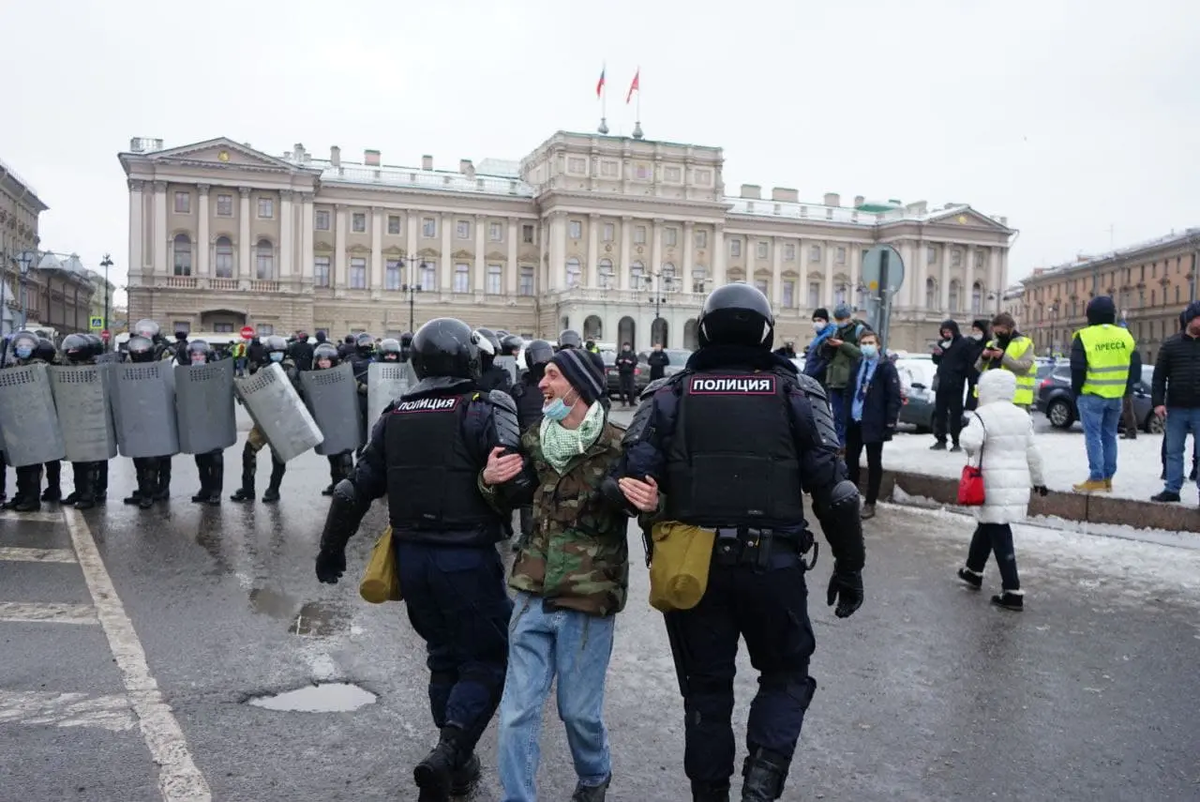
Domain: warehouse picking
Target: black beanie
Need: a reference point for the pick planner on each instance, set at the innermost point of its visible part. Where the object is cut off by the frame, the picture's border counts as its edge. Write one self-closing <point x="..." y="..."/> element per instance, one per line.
<point x="577" y="368"/>
<point x="821" y="314"/>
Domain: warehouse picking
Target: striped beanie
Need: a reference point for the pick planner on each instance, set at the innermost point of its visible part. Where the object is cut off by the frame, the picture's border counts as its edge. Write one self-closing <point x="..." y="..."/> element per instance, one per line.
<point x="578" y="369"/>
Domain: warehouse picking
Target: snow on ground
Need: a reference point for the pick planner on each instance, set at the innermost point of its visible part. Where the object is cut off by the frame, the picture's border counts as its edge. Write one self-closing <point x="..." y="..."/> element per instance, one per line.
<point x="1138" y="461"/>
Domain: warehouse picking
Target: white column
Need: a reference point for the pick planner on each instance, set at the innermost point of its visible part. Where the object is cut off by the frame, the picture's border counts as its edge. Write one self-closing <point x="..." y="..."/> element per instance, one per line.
<point x="969" y="280"/>
<point x="376" y="282"/>
<point x="855" y="274"/>
<point x="160" y="227"/>
<point x="945" y="274"/>
<point x="202" y="243"/>
<point x="719" y="252"/>
<point x="996" y="275"/>
<point x="689" y="256"/>
<point x="480" y="251"/>
<point x="513" y="267"/>
<point x="558" y="250"/>
<point x="920" y="273"/>
<point x="626" y="250"/>
<point x="245" y="268"/>
<point x="591" y="274"/>
<point x="339" y="246"/>
<point x="827" y="256"/>
<point x="306" y="234"/>
<point x="287" y="234"/>
<point x="412" y="245"/>
<point x="137" y="231"/>
<point x="446" y="279"/>
<point x="777" y="273"/>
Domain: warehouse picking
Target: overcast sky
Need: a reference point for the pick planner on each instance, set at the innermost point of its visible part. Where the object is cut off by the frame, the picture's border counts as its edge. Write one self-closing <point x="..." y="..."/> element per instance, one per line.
<point x="1070" y="117"/>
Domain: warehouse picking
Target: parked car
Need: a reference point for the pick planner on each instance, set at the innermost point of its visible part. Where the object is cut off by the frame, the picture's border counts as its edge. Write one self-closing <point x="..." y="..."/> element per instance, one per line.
<point x="678" y="359"/>
<point x="1055" y="401"/>
<point x="916" y="384"/>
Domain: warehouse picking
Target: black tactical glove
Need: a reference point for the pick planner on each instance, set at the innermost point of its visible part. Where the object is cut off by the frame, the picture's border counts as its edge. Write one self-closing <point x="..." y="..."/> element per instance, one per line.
<point x="1041" y="490"/>
<point x="331" y="565"/>
<point x="846" y="588"/>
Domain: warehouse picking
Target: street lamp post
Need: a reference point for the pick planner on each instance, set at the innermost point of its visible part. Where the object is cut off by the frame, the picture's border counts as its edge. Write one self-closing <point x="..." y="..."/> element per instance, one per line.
<point x="106" y="264"/>
<point x="26" y="261"/>
<point x="412" y="290"/>
<point x="658" y="299"/>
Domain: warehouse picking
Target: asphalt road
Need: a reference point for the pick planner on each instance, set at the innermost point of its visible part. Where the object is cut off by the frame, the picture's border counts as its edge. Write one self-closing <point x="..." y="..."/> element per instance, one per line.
<point x="928" y="693"/>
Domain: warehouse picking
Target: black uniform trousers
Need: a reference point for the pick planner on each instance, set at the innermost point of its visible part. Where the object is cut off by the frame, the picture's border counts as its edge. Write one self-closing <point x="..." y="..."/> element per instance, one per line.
<point x="948" y="411"/>
<point x="768" y="608"/>
<point x="854" y="449"/>
<point x="627" y="387"/>
<point x="457" y="603"/>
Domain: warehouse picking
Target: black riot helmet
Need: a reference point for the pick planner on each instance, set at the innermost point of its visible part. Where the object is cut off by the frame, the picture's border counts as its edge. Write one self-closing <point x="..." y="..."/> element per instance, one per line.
<point x="97" y="344"/>
<point x="45" y="350"/>
<point x="199" y="352"/>
<point x="490" y="336"/>
<point x="276" y="345"/>
<point x="510" y="345"/>
<point x="390" y="350"/>
<point x="77" y="348"/>
<point x="406" y="339"/>
<point x="446" y="347"/>
<point x="569" y="338"/>
<point x="736" y="314"/>
<point x="325" y="351"/>
<point x="141" y="349"/>
<point x="364" y="344"/>
<point x="538" y="352"/>
<point x="147" y="328"/>
<point x="489" y="347"/>
<point x="24" y="344"/>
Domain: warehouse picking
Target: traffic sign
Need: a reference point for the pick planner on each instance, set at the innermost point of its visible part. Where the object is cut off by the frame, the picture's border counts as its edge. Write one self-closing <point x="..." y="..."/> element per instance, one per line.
<point x="248" y="332"/>
<point x="96" y="323"/>
<point x="883" y="275"/>
<point x="105" y="335"/>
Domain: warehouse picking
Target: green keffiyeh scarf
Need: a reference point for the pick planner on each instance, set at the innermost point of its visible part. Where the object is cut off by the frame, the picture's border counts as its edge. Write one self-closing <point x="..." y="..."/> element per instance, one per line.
<point x="560" y="445"/>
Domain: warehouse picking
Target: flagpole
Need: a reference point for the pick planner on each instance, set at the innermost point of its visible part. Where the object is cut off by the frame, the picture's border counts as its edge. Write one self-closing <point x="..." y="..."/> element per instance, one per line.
<point x="637" y="124"/>
<point x="603" y="127"/>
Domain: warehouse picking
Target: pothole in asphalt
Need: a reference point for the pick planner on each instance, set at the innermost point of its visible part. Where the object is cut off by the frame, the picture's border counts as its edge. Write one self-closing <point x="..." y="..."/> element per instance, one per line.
<point x="330" y="697"/>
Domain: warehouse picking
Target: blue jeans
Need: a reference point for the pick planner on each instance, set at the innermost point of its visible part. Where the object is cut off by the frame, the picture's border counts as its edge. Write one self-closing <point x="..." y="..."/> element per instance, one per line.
<point x="541" y="644"/>
<point x="1099" y="417"/>
<point x="1180" y="421"/>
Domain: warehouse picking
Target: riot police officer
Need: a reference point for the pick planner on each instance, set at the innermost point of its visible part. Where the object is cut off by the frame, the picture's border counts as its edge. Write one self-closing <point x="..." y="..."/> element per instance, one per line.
<point x="325" y="356"/>
<point x="79" y="349"/>
<point x="360" y="360"/>
<point x="210" y="466"/>
<point x="277" y="353"/>
<point x="148" y="470"/>
<point x="492" y="376"/>
<point x="426" y="453"/>
<point x="24" y="347"/>
<point x="390" y="350"/>
<point x="47" y="353"/>
<point x="731" y="440"/>
<point x="529" y="401"/>
<point x="510" y="345"/>
<point x="406" y="346"/>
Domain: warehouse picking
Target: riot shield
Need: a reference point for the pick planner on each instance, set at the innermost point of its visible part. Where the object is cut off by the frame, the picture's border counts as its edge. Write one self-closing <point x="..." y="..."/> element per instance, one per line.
<point x="386" y="382"/>
<point x="81" y="396"/>
<point x="204" y="407"/>
<point x="332" y="397"/>
<point x="277" y="410"/>
<point x="28" y="417"/>
<point x="509" y="363"/>
<point x="144" y="392"/>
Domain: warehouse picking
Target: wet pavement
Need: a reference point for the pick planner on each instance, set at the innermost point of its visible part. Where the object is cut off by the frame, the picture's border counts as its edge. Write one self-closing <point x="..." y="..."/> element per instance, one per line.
<point x="927" y="693"/>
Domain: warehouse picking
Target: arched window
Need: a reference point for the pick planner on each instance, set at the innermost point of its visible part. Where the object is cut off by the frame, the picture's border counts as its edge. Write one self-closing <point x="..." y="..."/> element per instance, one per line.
<point x="977" y="297"/>
<point x="839" y="294"/>
<point x="637" y="272"/>
<point x="264" y="260"/>
<point x="183" y="255"/>
<point x="573" y="272"/>
<point x="954" y="293"/>
<point x="606" y="273"/>
<point x="223" y="266"/>
<point x="699" y="277"/>
<point x="668" y="278"/>
<point x="931" y="299"/>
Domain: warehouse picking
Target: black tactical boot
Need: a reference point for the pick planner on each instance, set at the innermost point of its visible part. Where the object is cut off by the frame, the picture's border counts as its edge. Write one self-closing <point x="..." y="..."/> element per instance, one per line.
<point x="202" y="468"/>
<point x="465" y="776"/>
<point x="3" y="477"/>
<point x="764" y="773"/>
<point x="101" y="478"/>
<point x="710" y="792"/>
<point x="162" y="479"/>
<point x="29" y="482"/>
<point x="278" y="469"/>
<point x="147" y="480"/>
<point x="85" y="486"/>
<point x="591" y="793"/>
<point x="216" y="477"/>
<point x="53" y="490"/>
<point x="249" y="463"/>
<point x="433" y="774"/>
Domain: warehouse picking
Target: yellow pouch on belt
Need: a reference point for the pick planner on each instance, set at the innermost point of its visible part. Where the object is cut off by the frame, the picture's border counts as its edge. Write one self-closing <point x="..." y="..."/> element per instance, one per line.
<point x="679" y="565"/>
<point x="381" y="582"/>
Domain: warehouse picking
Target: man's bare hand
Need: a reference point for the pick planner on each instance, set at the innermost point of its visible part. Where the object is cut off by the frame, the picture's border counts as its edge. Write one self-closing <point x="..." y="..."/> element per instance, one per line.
<point x="501" y="467"/>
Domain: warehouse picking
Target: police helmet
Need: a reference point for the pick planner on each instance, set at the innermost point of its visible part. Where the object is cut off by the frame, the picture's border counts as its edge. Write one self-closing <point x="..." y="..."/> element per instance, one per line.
<point x="46" y="350"/>
<point x="446" y="347"/>
<point x="364" y="344"/>
<point x="147" y="328"/>
<point x="276" y="344"/>
<point x="24" y="344"/>
<point x="489" y="343"/>
<point x="141" y="349"/>
<point x="510" y="345"/>
<point x="569" y="338"/>
<point x="326" y="351"/>
<point x="736" y="314"/>
<point x="538" y="352"/>
<point x="77" y="347"/>
<point x="95" y="343"/>
<point x="199" y="348"/>
<point x="406" y="339"/>
<point x="390" y="350"/>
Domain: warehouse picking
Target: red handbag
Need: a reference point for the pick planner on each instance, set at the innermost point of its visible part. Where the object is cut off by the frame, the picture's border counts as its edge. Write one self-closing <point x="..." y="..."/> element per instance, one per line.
<point x="970" y="484"/>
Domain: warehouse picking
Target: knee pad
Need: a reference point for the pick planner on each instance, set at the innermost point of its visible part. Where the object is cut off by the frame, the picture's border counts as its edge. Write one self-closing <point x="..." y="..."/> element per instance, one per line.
<point x="799" y="686"/>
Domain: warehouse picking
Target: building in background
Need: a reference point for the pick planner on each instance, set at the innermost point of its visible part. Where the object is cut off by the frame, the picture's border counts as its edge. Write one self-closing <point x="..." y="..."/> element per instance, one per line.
<point x="619" y="238"/>
<point x="1151" y="282"/>
<point x="20" y="207"/>
<point x="104" y="289"/>
<point x="58" y="294"/>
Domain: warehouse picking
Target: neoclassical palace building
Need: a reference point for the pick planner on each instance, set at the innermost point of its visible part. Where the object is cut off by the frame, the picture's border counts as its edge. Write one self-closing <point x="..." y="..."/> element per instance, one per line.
<point x="619" y="238"/>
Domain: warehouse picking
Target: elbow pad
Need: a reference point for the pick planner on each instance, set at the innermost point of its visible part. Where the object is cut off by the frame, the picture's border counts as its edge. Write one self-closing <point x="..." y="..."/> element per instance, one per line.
<point x="507" y="428"/>
<point x="346" y="512"/>
<point x="841" y="520"/>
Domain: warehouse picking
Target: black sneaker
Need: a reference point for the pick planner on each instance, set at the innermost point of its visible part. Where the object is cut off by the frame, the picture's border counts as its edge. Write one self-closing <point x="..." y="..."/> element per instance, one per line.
<point x="971" y="578"/>
<point x="956" y="448"/>
<point x="1165" y="495"/>
<point x="1010" y="600"/>
<point x="940" y="445"/>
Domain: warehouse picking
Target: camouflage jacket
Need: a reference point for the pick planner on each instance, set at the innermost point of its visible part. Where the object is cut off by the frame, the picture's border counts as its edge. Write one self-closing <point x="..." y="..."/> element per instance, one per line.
<point x="577" y="556"/>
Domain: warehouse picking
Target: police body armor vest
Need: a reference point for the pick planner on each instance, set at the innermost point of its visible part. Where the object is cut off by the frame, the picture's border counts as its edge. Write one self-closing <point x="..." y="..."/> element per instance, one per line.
<point x="529" y="403"/>
<point x="733" y="460"/>
<point x="431" y="474"/>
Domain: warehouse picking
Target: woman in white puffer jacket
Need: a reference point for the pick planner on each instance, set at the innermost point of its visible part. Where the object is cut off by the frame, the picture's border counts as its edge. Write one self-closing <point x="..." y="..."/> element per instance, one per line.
<point x="1011" y="463"/>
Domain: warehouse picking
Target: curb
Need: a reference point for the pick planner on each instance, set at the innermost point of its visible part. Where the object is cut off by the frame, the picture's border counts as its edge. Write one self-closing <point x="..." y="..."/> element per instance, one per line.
<point x="1070" y="506"/>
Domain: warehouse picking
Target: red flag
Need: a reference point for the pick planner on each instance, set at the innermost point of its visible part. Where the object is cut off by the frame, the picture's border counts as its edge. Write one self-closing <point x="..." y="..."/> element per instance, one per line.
<point x="633" y="87"/>
<point x="600" y="83"/>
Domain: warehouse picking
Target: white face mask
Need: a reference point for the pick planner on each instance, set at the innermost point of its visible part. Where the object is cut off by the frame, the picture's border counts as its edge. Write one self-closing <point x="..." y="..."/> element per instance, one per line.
<point x="819" y="326"/>
<point x="976" y="336"/>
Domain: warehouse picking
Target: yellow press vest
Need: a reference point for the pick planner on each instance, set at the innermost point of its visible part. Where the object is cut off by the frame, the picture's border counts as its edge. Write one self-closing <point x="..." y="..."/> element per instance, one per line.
<point x="1017" y="347"/>
<point x="1109" y="349"/>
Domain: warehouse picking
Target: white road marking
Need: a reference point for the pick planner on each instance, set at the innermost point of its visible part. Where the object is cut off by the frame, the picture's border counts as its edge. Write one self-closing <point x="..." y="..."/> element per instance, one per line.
<point x="112" y="713"/>
<point x="47" y="613"/>
<point x="36" y="517"/>
<point x="16" y="554"/>
<point x="179" y="780"/>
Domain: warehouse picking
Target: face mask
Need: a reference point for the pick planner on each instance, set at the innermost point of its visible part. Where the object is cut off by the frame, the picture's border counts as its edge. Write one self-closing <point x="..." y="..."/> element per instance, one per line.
<point x="869" y="351"/>
<point x="277" y="356"/>
<point x="24" y="352"/>
<point x="819" y="326"/>
<point x="976" y="336"/>
<point x="198" y="360"/>
<point x="556" y="410"/>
